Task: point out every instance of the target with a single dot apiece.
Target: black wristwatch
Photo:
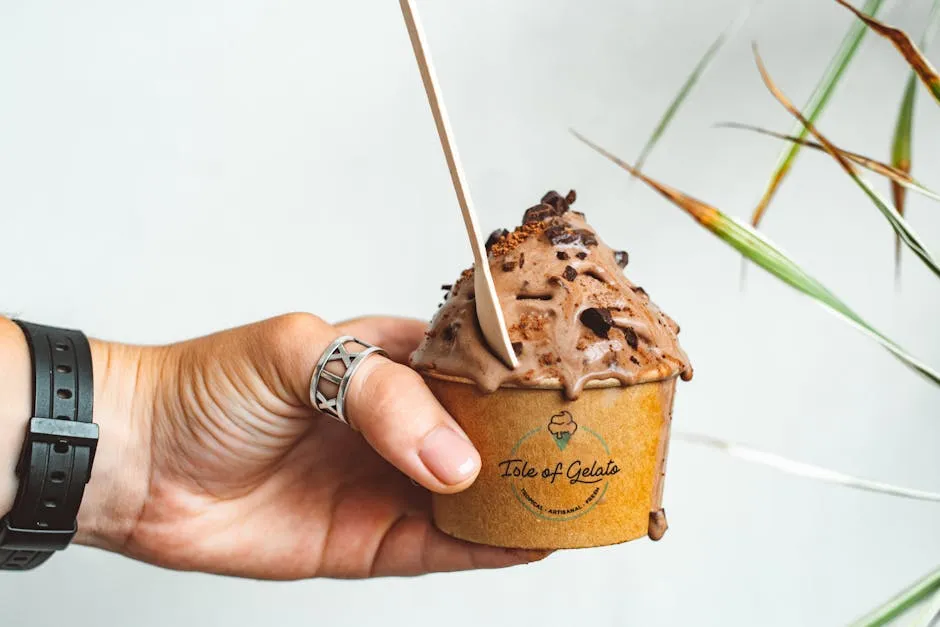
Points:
(59, 450)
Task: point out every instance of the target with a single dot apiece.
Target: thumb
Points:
(388, 402)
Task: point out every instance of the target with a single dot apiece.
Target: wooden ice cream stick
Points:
(489, 312)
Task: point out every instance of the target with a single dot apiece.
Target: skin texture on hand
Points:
(212, 459)
(15, 386)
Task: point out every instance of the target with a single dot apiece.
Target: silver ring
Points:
(337, 352)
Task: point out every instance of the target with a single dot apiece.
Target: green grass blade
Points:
(760, 250)
(905, 45)
(901, 158)
(801, 469)
(817, 103)
(929, 611)
(900, 177)
(902, 602)
(900, 226)
(690, 82)
(901, 145)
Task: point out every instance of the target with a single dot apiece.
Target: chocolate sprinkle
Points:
(521, 260)
(447, 288)
(634, 360)
(622, 258)
(598, 319)
(632, 339)
(570, 273)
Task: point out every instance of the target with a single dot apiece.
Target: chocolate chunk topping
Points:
(571, 197)
(494, 237)
(450, 332)
(632, 340)
(539, 213)
(555, 200)
(570, 273)
(587, 238)
(582, 255)
(622, 258)
(562, 255)
(598, 319)
(509, 266)
(517, 348)
(561, 235)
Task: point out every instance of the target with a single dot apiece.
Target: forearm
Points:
(120, 476)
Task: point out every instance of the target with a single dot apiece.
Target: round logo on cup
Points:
(561, 470)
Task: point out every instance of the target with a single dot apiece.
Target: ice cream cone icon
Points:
(562, 426)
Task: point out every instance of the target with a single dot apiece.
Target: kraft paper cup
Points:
(557, 473)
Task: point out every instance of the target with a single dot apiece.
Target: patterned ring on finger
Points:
(328, 387)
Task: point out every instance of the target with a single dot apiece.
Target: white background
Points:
(171, 168)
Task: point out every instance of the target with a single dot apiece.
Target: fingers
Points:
(398, 336)
(389, 403)
(414, 547)
(396, 412)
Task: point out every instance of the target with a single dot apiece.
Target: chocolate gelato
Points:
(573, 316)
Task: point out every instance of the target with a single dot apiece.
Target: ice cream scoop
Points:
(573, 316)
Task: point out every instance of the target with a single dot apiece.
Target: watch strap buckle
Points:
(46, 540)
(65, 433)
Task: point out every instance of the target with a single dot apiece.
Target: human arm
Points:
(212, 459)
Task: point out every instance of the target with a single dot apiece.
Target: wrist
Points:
(120, 477)
(15, 406)
(115, 494)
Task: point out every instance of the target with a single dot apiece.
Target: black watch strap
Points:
(59, 450)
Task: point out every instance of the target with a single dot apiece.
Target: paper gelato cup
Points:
(558, 473)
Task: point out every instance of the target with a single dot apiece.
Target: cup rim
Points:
(555, 385)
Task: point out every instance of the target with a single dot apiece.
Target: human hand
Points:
(212, 459)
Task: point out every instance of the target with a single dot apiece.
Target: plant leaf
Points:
(801, 469)
(901, 158)
(900, 226)
(901, 602)
(817, 102)
(690, 82)
(901, 145)
(753, 245)
(929, 611)
(918, 62)
(896, 175)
